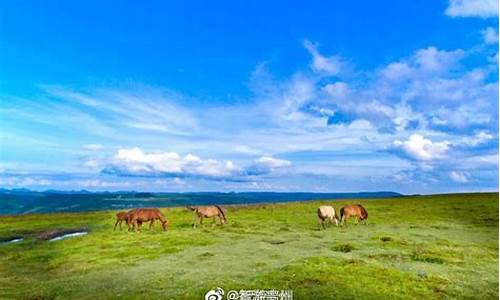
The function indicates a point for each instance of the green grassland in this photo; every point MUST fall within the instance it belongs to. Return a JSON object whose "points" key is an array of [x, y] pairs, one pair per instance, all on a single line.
{"points": [[426, 247]]}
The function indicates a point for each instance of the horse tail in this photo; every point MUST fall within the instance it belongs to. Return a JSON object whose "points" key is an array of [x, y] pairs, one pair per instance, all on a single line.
{"points": [[341, 213], [222, 213]]}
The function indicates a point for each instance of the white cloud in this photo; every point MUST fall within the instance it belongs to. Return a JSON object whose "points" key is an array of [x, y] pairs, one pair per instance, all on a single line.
{"points": [[273, 163], [460, 177], [472, 8], [329, 65], [479, 138], [432, 59], [419, 148], [92, 163], [134, 160], [337, 89], [247, 150], [490, 35], [397, 71], [25, 181]]}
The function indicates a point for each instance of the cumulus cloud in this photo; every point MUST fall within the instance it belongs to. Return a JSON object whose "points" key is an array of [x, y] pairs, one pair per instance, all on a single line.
{"points": [[328, 65], [92, 163], [271, 162], [472, 8], [337, 90], [460, 177], [490, 35], [432, 59], [397, 71], [417, 147], [134, 161]]}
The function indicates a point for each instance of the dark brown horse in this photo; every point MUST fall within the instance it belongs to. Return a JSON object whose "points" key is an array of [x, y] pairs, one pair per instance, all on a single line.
{"points": [[140, 215], [356, 210], [208, 212]]}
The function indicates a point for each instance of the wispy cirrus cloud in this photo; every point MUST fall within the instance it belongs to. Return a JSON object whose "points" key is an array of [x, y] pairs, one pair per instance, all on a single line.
{"points": [[331, 65]]}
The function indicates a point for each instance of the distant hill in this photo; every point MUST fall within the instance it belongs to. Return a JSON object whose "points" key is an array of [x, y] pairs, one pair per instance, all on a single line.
{"points": [[23, 201]]}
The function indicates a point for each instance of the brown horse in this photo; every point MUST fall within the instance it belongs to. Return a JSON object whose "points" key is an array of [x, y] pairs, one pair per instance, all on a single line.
{"points": [[208, 212], [121, 217], [356, 210], [140, 215]]}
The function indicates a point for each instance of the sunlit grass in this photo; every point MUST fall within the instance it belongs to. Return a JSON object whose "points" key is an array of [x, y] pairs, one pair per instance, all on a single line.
{"points": [[415, 247]]}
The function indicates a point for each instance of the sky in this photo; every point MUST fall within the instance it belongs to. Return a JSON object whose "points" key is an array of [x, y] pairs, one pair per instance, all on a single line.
{"points": [[180, 96]]}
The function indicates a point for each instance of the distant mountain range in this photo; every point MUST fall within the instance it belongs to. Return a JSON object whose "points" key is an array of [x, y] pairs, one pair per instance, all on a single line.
{"points": [[23, 201]]}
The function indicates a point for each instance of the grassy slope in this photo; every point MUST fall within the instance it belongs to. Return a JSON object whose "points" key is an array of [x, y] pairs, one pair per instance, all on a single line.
{"points": [[418, 247]]}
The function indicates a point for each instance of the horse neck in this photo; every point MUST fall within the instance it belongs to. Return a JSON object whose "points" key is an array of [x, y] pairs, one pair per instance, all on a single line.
{"points": [[221, 212], [161, 217]]}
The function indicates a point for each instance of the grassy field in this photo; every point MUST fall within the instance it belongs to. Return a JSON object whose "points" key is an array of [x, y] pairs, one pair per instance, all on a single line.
{"points": [[429, 247]]}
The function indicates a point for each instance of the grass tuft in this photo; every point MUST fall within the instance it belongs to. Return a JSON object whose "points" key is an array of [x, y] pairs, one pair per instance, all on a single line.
{"points": [[344, 248]]}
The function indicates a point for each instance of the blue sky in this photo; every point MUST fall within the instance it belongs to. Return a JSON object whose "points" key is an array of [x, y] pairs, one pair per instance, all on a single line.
{"points": [[282, 96]]}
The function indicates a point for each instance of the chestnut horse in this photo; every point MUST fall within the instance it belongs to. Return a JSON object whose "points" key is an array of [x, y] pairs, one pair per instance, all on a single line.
{"points": [[140, 215], [121, 217], [356, 210], [208, 212]]}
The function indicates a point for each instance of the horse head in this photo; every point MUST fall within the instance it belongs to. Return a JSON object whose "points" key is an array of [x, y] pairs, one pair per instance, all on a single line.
{"points": [[165, 224]]}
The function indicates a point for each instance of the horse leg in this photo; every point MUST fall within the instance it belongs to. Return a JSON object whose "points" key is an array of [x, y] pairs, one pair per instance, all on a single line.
{"points": [[137, 225], [321, 224], [151, 224], [116, 224], [195, 218]]}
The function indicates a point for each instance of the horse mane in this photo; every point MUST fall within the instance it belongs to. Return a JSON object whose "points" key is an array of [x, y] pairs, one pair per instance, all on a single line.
{"points": [[222, 212]]}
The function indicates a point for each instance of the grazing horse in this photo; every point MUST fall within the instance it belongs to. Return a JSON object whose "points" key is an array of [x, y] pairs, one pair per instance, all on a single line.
{"points": [[356, 210], [121, 217], [327, 213], [140, 215], [208, 212]]}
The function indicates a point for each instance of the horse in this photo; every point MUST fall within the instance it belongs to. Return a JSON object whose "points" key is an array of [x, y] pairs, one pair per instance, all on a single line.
{"points": [[327, 213], [208, 212], [355, 210], [121, 217], [140, 215]]}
